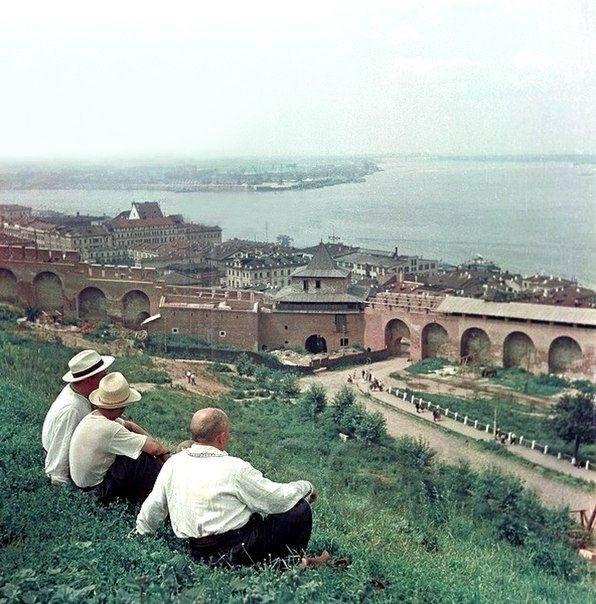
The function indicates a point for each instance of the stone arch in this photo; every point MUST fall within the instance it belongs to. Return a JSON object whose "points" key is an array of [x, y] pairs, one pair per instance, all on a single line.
{"points": [[435, 341], [92, 304], [8, 286], [519, 350], [315, 344], [47, 290], [135, 308], [564, 355], [397, 337], [475, 346]]}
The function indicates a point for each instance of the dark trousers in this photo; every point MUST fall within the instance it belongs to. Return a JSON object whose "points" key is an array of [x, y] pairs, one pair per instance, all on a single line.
{"points": [[129, 478], [276, 536]]}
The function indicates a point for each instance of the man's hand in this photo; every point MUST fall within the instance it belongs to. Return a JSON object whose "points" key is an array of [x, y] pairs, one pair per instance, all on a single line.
{"points": [[312, 496]]}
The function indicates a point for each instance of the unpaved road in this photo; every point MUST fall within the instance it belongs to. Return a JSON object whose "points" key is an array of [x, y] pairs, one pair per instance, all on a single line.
{"points": [[452, 448]]}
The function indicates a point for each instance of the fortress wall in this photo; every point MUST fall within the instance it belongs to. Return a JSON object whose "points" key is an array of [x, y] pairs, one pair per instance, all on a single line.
{"points": [[225, 326]]}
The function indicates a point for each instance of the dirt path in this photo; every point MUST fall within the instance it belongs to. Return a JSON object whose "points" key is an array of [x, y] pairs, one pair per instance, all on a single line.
{"points": [[454, 448], [205, 384]]}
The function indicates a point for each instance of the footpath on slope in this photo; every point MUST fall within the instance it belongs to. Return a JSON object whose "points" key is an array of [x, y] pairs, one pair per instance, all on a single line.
{"points": [[402, 419]]}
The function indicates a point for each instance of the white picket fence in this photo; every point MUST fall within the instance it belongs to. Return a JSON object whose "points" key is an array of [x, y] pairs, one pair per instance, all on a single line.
{"points": [[467, 421]]}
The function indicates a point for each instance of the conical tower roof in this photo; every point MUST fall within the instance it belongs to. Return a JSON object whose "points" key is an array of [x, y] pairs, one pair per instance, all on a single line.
{"points": [[321, 265]]}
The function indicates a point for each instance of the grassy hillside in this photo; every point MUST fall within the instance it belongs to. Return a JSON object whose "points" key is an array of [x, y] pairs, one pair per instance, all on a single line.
{"points": [[406, 528]]}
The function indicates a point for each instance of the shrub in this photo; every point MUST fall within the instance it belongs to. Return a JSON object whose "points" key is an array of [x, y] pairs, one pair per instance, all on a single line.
{"points": [[32, 312], [371, 427], [416, 451], [313, 401], [244, 365], [429, 365], [342, 401], [8, 314], [220, 367]]}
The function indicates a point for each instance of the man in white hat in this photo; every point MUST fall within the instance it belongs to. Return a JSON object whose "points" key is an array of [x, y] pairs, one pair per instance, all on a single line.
{"points": [[110, 456], [85, 372]]}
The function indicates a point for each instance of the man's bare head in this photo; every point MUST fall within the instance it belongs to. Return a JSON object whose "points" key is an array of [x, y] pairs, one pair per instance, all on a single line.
{"points": [[210, 426]]}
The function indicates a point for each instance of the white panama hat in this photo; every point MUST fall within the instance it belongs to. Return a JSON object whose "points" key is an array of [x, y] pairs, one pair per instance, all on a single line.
{"points": [[114, 392], [85, 364]]}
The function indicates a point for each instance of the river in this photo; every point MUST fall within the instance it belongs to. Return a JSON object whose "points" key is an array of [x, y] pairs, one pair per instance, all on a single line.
{"points": [[527, 217]]}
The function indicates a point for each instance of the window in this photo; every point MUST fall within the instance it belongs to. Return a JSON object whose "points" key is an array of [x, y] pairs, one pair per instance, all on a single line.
{"points": [[318, 284], [222, 334], [305, 285], [174, 330], [343, 341], [285, 326]]}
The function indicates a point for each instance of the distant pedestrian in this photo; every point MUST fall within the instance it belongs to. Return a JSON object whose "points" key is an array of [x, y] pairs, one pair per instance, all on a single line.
{"points": [[512, 439], [436, 415], [188, 374], [363, 374], [370, 377], [193, 379], [417, 405]]}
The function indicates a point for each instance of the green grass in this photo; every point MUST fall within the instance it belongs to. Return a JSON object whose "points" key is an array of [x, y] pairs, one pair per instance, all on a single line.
{"points": [[529, 420], [412, 530], [429, 365], [522, 381]]}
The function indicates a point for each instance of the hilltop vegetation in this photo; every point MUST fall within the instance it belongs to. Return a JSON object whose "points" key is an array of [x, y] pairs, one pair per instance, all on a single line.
{"points": [[400, 526]]}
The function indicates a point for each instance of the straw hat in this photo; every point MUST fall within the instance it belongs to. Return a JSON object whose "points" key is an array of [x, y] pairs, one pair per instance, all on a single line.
{"points": [[114, 392], [85, 364]]}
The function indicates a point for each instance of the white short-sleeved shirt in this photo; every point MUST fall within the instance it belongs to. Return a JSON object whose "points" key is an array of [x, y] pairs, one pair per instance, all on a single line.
{"points": [[62, 418], [94, 445]]}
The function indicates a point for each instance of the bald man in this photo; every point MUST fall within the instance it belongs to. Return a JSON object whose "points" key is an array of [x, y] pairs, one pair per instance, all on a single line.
{"points": [[226, 509]]}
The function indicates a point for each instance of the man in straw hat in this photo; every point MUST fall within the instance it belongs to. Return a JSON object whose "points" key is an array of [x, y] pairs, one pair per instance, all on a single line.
{"points": [[110, 456], [85, 372], [227, 509]]}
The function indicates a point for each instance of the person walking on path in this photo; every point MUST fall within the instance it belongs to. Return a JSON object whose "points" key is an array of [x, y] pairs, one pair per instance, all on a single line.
{"points": [[193, 379], [226, 509], [188, 374], [86, 369], [112, 457]]}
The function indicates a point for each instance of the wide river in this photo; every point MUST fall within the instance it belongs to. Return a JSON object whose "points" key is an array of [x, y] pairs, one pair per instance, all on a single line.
{"points": [[527, 217]]}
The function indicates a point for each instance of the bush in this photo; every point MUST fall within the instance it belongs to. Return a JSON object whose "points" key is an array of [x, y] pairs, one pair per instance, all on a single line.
{"points": [[244, 365], [371, 428], [342, 401], [415, 451], [71, 320], [429, 365], [313, 401], [8, 314]]}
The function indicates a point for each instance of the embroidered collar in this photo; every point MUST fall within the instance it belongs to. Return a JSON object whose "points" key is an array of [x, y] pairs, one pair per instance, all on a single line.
{"points": [[201, 451]]}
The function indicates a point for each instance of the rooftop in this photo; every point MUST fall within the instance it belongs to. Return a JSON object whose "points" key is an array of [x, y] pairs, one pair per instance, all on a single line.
{"points": [[322, 265], [518, 310]]}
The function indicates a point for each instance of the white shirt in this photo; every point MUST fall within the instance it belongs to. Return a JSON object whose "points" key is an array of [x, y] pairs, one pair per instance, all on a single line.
{"points": [[94, 445], [206, 492], [63, 417]]}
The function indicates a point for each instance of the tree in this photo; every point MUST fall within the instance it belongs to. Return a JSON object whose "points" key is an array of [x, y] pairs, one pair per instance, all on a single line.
{"points": [[284, 240], [575, 420]]}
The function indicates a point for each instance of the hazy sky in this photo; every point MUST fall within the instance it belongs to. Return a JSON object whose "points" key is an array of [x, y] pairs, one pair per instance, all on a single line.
{"points": [[110, 78]]}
